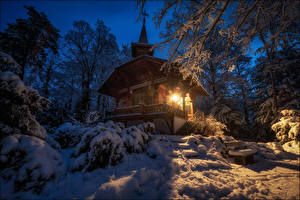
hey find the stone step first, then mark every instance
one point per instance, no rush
(174, 154)
(175, 139)
(189, 153)
(184, 145)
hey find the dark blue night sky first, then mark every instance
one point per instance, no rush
(119, 16)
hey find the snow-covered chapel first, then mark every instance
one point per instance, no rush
(145, 92)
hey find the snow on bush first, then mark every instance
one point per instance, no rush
(105, 144)
(288, 126)
(7, 63)
(135, 138)
(28, 162)
(234, 121)
(105, 148)
(68, 135)
(147, 127)
(226, 115)
(206, 126)
(292, 147)
(92, 117)
(28, 156)
(17, 104)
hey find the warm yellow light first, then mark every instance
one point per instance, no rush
(175, 98)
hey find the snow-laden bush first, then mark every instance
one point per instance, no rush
(92, 117)
(105, 144)
(292, 147)
(233, 119)
(288, 127)
(68, 135)
(206, 126)
(226, 115)
(18, 103)
(7, 63)
(134, 139)
(105, 148)
(28, 155)
(147, 127)
(29, 162)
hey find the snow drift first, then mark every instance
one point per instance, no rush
(196, 167)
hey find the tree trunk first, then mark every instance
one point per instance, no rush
(46, 83)
(274, 91)
(213, 82)
(22, 64)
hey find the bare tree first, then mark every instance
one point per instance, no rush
(193, 22)
(89, 51)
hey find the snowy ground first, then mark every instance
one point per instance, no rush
(180, 167)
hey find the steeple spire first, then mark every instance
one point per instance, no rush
(142, 47)
(143, 36)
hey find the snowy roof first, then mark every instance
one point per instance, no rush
(139, 70)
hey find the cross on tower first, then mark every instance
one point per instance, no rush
(144, 14)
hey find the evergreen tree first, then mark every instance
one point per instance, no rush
(29, 40)
(284, 69)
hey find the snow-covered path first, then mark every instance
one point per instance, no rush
(276, 179)
(201, 177)
(178, 167)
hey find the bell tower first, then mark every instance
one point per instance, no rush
(142, 47)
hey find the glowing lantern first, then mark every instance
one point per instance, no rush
(175, 98)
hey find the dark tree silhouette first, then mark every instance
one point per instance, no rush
(29, 40)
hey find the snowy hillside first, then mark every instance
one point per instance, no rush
(227, 77)
(111, 161)
(190, 167)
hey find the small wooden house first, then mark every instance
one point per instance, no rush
(144, 92)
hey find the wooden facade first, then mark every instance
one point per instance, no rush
(144, 92)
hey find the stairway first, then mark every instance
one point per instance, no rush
(179, 147)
